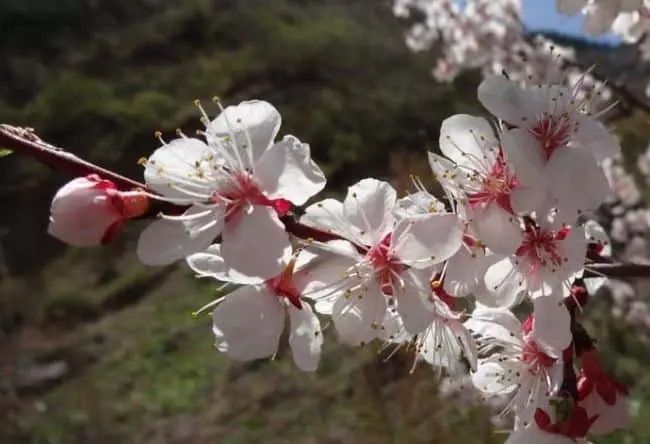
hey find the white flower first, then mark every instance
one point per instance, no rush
(515, 365)
(383, 259)
(89, 211)
(481, 177)
(248, 322)
(546, 259)
(443, 343)
(553, 131)
(238, 183)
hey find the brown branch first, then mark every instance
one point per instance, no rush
(25, 141)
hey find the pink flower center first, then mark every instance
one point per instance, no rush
(245, 191)
(536, 359)
(540, 247)
(497, 186)
(283, 286)
(387, 267)
(552, 132)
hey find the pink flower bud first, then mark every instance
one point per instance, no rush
(90, 211)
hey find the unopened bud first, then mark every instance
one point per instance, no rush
(90, 211)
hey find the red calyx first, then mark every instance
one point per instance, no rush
(577, 425)
(592, 376)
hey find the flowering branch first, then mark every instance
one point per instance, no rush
(25, 141)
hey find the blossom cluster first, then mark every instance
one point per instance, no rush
(437, 276)
(490, 35)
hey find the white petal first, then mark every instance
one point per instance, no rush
(524, 152)
(576, 192)
(166, 241)
(422, 241)
(468, 141)
(552, 326)
(451, 177)
(610, 417)
(595, 138)
(415, 311)
(496, 323)
(496, 378)
(418, 203)
(248, 323)
(305, 337)
(465, 270)
(287, 171)
(358, 320)
(328, 215)
(533, 435)
(368, 206)
(211, 263)
(504, 281)
(504, 99)
(573, 248)
(181, 160)
(256, 244)
(498, 229)
(258, 118)
(325, 282)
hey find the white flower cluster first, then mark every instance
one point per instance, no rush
(511, 230)
(489, 35)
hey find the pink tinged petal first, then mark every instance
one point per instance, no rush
(305, 337)
(210, 263)
(505, 100)
(593, 137)
(496, 323)
(576, 192)
(358, 320)
(82, 213)
(256, 244)
(166, 241)
(552, 325)
(610, 417)
(533, 435)
(183, 162)
(286, 171)
(416, 312)
(469, 141)
(368, 206)
(248, 323)
(422, 241)
(504, 281)
(570, 7)
(258, 118)
(497, 229)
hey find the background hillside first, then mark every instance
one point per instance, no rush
(95, 348)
